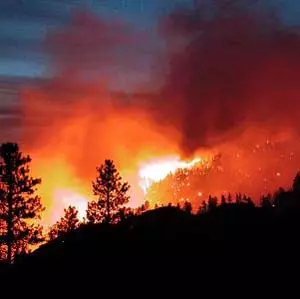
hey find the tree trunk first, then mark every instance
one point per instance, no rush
(10, 233)
(9, 227)
(108, 208)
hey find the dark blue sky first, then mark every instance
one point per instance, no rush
(24, 23)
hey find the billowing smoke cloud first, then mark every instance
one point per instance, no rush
(230, 66)
(90, 48)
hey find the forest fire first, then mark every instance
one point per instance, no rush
(60, 188)
(214, 97)
(157, 170)
(159, 177)
(64, 189)
(67, 152)
(143, 140)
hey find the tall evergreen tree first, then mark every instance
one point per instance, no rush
(187, 207)
(69, 222)
(19, 206)
(212, 203)
(111, 193)
(296, 184)
(203, 207)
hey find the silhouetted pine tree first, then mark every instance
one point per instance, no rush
(229, 198)
(238, 198)
(143, 208)
(111, 193)
(223, 200)
(69, 222)
(296, 184)
(18, 203)
(203, 207)
(266, 202)
(247, 200)
(212, 203)
(187, 207)
(123, 214)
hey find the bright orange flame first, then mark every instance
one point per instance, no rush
(157, 169)
(69, 197)
(60, 188)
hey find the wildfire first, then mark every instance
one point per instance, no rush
(60, 188)
(72, 121)
(156, 170)
(248, 172)
(69, 197)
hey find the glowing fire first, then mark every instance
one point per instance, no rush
(68, 197)
(156, 170)
(72, 122)
(60, 188)
(65, 155)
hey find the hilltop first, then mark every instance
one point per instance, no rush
(166, 245)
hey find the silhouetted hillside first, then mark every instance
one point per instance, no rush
(167, 245)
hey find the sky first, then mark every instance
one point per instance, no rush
(24, 24)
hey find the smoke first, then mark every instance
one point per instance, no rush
(231, 65)
(89, 48)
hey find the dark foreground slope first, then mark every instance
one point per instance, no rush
(234, 246)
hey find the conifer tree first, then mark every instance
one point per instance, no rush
(69, 222)
(111, 193)
(20, 208)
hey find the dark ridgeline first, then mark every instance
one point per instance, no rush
(230, 245)
(235, 244)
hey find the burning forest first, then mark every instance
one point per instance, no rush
(216, 113)
(149, 144)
